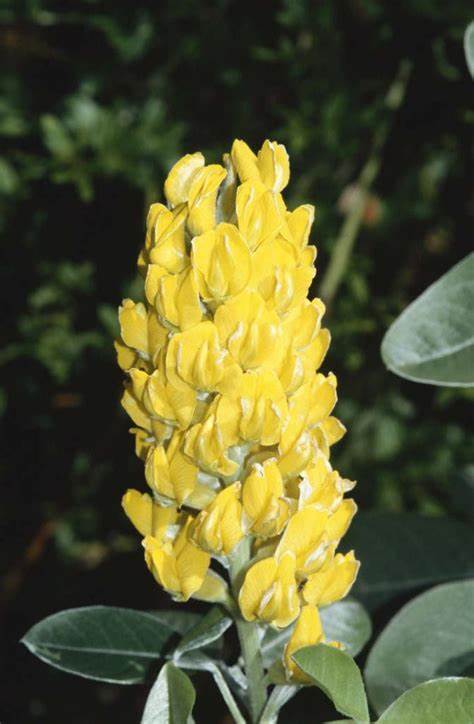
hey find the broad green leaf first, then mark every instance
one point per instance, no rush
(346, 621)
(209, 628)
(432, 341)
(100, 642)
(401, 552)
(337, 674)
(469, 47)
(447, 701)
(171, 698)
(179, 621)
(432, 635)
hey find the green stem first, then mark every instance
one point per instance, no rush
(344, 244)
(249, 638)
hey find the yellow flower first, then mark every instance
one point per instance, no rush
(321, 486)
(156, 397)
(269, 592)
(333, 581)
(176, 298)
(222, 261)
(180, 178)
(250, 331)
(148, 517)
(165, 239)
(258, 214)
(306, 538)
(141, 334)
(233, 419)
(209, 442)
(261, 407)
(271, 166)
(202, 198)
(218, 528)
(196, 359)
(264, 507)
(178, 565)
(308, 631)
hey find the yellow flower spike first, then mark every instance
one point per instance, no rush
(177, 565)
(333, 581)
(148, 517)
(305, 536)
(265, 512)
(233, 419)
(196, 359)
(222, 260)
(202, 198)
(177, 300)
(308, 631)
(258, 214)
(251, 332)
(180, 178)
(166, 231)
(218, 529)
(269, 592)
(339, 522)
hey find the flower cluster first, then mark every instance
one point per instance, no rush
(233, 419)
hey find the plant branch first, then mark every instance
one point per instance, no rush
(249, 639)
(344, 243)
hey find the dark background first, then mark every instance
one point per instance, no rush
(98, 99)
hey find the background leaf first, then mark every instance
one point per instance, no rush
(432, 341)
(171, 698)
(431, 636)
(404, 551)
(469, 47)
(337, 674)
(100, 642)
(442, 700)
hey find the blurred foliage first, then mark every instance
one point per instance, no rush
(98, 98)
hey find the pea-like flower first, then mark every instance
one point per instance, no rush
(308, 631)
(232, 415)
